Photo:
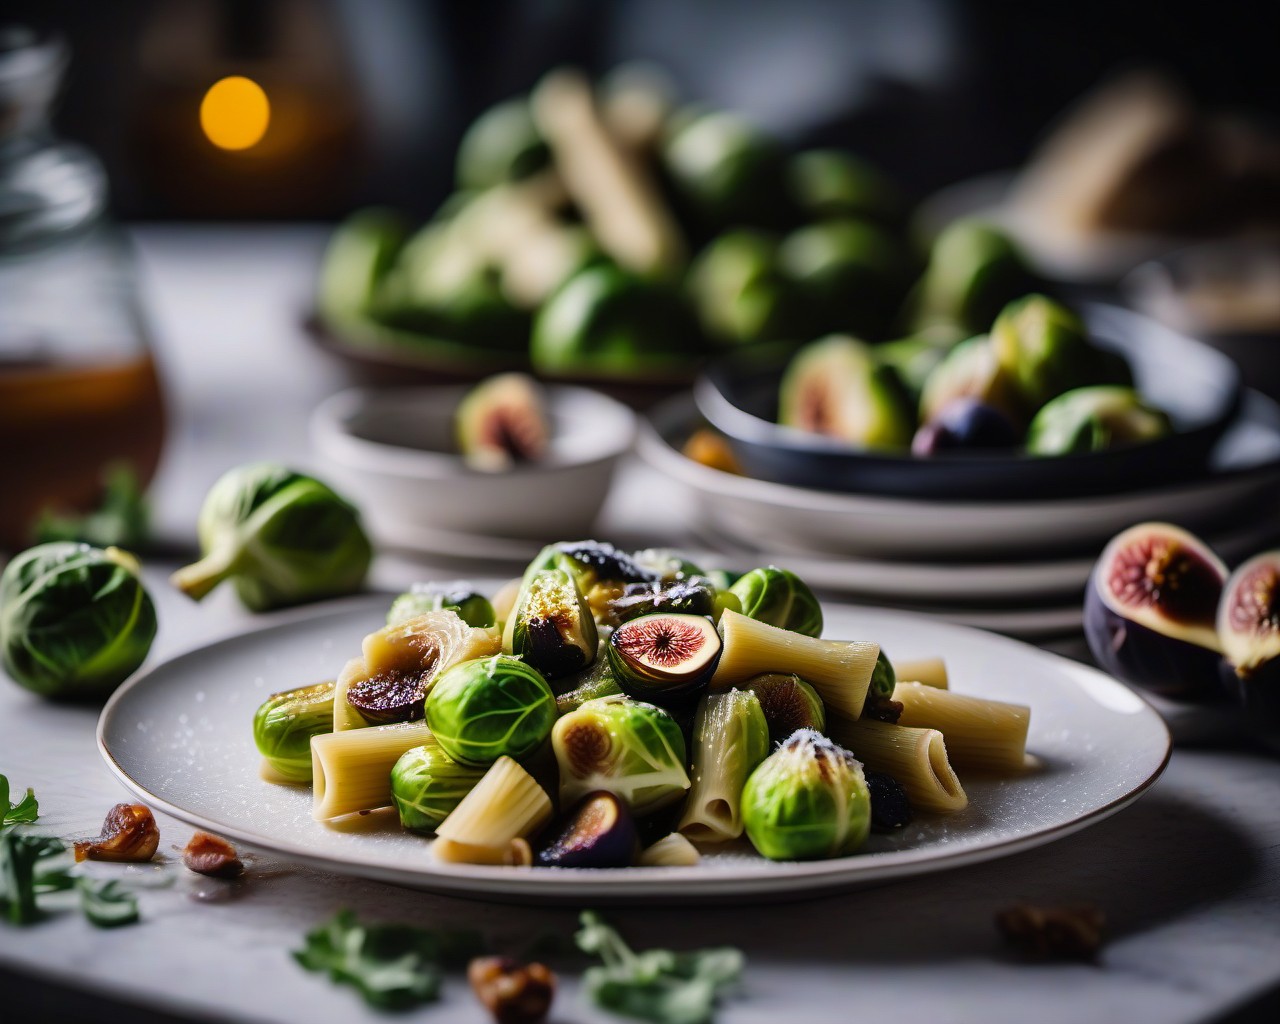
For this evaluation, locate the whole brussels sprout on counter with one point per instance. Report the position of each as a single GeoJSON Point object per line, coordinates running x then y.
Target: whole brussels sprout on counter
{"type": "Point", "coordinates": [427, 784]}
{"type": "Point", "coordinates": [829, 183]}
{"type": "Point", "coordinates": [625, 747]}
{"type": "Point", "coordinates": [807, 800]}
{"type": "Point", "coordinates": [284, 724]}
{"type": "Point", "coordinates": [1092, 419]}
{"type": "Point", "coordinates": [75, 621]}
{"type": "Point", "coordinates": [281, 537]}
{"type": "Point", "coordinates": [485, 708]}
{"type": "Point", "coordinates": [740, 293]}
{"type": "Point", "coordinates": [780, 598]}
{"type": "Point", "coordinates": [551, 626]}
{"type": "Point", "coordinates": [472, 608]}
{"type": "Point", "coordinates": [974, 270]}
{"type": "Point", "coordinates": [502, 144]}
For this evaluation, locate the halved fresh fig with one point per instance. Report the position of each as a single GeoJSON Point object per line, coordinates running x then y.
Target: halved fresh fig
{"type": "Point", "coordinates": [502, 421]}
{"type": "Point", "coordinates": [600, 833]}
{"type": "Point", "coordinates": [665, 659]}
{"type": "Point", "coordinates": [890, 806]}
{"type": "Point", "coordinates": [788, 703]}
{"type": "Point", "coordinates": [391, 696]}
{"type": "Point", "coordinates": [1249, 630]}
{"type": "Point", "coordinates": [1150, 611]}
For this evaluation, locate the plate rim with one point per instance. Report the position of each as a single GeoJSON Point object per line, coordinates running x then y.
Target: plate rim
{"type": "Point", "coordinates": [801, 879]}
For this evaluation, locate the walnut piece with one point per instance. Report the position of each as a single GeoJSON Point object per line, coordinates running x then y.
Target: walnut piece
{"type": "Point", "coordinates": [129, 833]}
{"type": "Point", "coordinates": [212, 855]}
{"type": "Point", "coordinates": [1053, 933]}
{"type": "Point", "coordinates": [512, 992]}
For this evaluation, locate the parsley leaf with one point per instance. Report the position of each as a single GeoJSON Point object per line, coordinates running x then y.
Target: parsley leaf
{"type": "Point", "coordinates": [393, 966]}
{"type": "Point", "coordinates": [23, 812]}
{"type": "Point", "coordinates": [656, 985]}
{"type": "Point", "coordinates": [20, 855]}
{"type": "Point", "coordinates": [106, 903]}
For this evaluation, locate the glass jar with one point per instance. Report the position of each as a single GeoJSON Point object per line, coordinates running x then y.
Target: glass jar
{"type": "Point", "coordinates": [79, 393]}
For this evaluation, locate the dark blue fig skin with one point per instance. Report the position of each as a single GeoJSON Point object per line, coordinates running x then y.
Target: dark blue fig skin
{"type": "Point", "coordinates": [1142, 657]}
{"type": "Point", "coordinates": [600, 833]}
{"type": "Point", "coordinates": [965, 425]}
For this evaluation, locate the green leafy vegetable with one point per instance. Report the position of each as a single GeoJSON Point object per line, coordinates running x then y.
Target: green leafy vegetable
{"type": "Point", "coordinates": [23, 812]}
{"type": "Point", "coordinates": [393, 966]}
{"type": "Point", "coordinates": [658, 984]}
{"type": "Point", "coordinates": [121, 520]}
{"type": "Point", "coordinates": [106, 903]}
{"type": "Point", "coordinates": [20, 879]}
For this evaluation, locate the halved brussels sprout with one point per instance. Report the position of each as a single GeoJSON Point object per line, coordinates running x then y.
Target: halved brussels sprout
{"type": "Point", "coordinates": [807, 800]}
{"type": "Point", "coordinates": [591, 562]}
{"type": "Point", "coordinates": [915, 357]}
{"type": "Point", "coordinates": [483, 709]}
{"type": "Point", "coordinates": [284, 724]}
{"type": "Point", "coordinates": [75, 621]}
{"type": "Point", "coordinates": [974, 269]}
{"type": "Point", "coordinates": [829, 184]}
{"type": "Point", "coordinates": [667, 659]}
{"type": "Point", "coordinates": [1095, 418]}
{"type": "Point", "coordinates": [427, 784]}
{"type": "Point", "coordinates": [780, 598]}
{"type": "Point", "coordinates": [625, 747]}
{"type": "Point", "coordinates": [472, 608]}
{"type": "Point", "coordinates": [551, 627]}
{"type": "Point", "coordinates": [971, 370]}
{"type": "Point", "coordinates": [788, 703]}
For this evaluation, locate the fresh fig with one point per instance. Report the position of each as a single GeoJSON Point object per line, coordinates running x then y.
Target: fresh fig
{"type": "Point", "coordinates": [965, 424]}
{"type": "Point", "coordinates": [1150, 611]}
{"type": "Point", "coordinates": [391, 696]}
{"type": "Point", "coordinates": [665, 659]}
{"type": "Point", "coordinates": [502, 422]}
{"type": "Point", "coordinates": [600, 833]}
{"type": "Point", "coordinates": [1249, 631]}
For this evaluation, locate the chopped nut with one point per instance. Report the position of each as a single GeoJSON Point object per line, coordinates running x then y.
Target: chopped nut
{"type": "Point", "coordinates": [1053, 933]}
{"type": "Point", "coordinates": [129, 833]}
{"type": "Point", "coordinates": [513, 993]}
{"type": "Point", "coordinates": [213, 856]}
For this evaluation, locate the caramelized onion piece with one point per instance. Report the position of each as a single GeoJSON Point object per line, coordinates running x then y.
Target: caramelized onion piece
{"type": "Point", "coordinates": [129, 834]}
{"type": "Point", "coordinates": [212, 855]}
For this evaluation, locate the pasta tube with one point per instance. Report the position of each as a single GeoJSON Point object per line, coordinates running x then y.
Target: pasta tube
{"type": "Point", "coordinates": [917, 758]}
{"type": "Point", "coordinates": [986, 735]}
{"type": "Point", "coordinates": [506, 804]}
{"type": "Point", "coordinates": [930, 671]}
{"type": "Point", "coordinates": [670, 851]}
{"type": "Point", "coordinates": [351, 770]}
{"type": "Point", "coordinates": [730, 737]}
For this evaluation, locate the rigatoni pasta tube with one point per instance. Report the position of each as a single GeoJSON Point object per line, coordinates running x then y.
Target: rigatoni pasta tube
{"type": "Point", "coordinates": [351, 770]}
{"type": "Point", "coordinates": [986, 735]}
{"type": "Point", "coordinates": [670, 851]}
{"type": "Point", "coordinates": [506, 804]}
{"type": "Point", "coordinates": [730, 737]}
{"type": "Point", "coordinates": [917, 758]}
{"type": "Point", "coordinates": [930, 671]}
{"type": "Point", "coordinates": [840, 670]}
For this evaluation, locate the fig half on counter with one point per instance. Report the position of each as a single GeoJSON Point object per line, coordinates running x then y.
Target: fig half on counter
{"type": "Point", "coordinates": [1249, 631]}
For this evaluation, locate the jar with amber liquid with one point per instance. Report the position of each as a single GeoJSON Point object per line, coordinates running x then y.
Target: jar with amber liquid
{"type": "Point", "coordinates": [79, 392]}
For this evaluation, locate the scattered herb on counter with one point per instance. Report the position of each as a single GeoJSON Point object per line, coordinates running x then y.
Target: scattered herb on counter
{"type": "Point", "coordinates": [657, 984]}
{"type": "Point", "coordinates": [106, 903]}
{"type": "Point", "coordinates": [23, 812]}
{"type": "Point", "coordinates": [20, 876]}
{"type": "Point", "coordinates": [393, 966]}
{"type": "Point", "coordinates": [121, 520]}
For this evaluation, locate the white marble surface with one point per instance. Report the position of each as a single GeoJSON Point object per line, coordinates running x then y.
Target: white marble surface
{"type": "Point", "coordinates": [1189, 877]}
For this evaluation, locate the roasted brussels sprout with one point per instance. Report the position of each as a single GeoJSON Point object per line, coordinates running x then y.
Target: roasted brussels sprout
{"type": "Point", "coordinates": [75, 621]}
{"type": "Point", "coordinates": [691, 595]}
{"type": "Point", "coordinates": [551, 626]}
{"type": "Point", "coordinates": [971, 371]}
{"type": "Point", "coordinates": [827, 184]}
{"type": "Point", "coordinates": [664, 658]}
{"type": "Point", "coordinates": [974, 270]}
{"type": "Point", "coordinates": [501, 145]}
{"type": "Point", "coordinates": [281, 537]}
{"type": "Point", "coordinates": [780, 598]}
{"type": "Point", "coordinates": [360, 253]}
{"type": "Point", "coordinates": [883, 679]}
{"type": "Point", "coordinates": [807, 800]}
{"type": "Point", "coordinates": [788, 703]}
{"type": "Point", "coordinates": [608, 321]}
{"type": "Point", "coordinates": [915, 357]}
{"type": "Point", "coordinates": [1093, 419]}
{"type": "Point", "coordinates": [739, 292]}
{"type": "Point", "coordinates": [472, 608]}
{"type": "Point", "coordinates": [625, 747]}
{"type": "Point", "coordinates": [482, 709]}
{"type": "Point", "coordinates": [591, 562]}
{"type": "Point", "coordinates": [599, 833]}
{"type": "Point", "coordinates": [427, 784]}
{"type": "Point", "coordinates": [284, 724]}
{"type": "Point", "coordinates": [835, 387]}
{"type": "Point", "coordinates": [503, 421]}
{"type": "Point", "coordinates": [965, 425]}
{"type": "Point", "coordinates": [666, 565]}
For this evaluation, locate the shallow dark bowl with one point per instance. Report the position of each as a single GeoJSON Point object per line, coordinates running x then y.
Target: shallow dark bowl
{"type": "Point", "coordinates": [1199, 388]}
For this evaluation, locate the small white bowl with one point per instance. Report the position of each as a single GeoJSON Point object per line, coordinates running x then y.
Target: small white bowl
{"type": "Point", "coordinates": [389, 450]}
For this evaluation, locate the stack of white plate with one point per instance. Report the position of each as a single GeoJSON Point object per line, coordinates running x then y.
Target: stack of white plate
{"type": "Point", "coordinates": [1018, 567]}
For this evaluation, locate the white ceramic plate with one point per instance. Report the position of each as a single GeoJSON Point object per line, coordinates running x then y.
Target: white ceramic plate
{"type": "Point", "coordinates": [767, 515]}
{"type": "Point", "coordinates": [179, 737]}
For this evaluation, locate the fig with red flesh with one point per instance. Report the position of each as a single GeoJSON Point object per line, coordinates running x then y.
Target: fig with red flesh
{"type": "Point", "coordinates": [665, 659]}
{"type": "Point", "coordinates": [391, 696]}
{"type": "Point", "coordinates": [1150, 611]}
{"type": "Point", "coordinates": [1249, 630]}
{"type": "Point", "coordinates": [600, 833]}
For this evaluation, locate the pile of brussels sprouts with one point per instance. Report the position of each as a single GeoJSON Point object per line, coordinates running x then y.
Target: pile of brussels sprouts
{"type": "Point", "coordinates": [604, 689]}
{"type": "Point", "coordinates": [610, 232]}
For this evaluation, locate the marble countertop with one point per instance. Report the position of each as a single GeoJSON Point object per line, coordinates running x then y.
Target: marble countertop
{"type": "Point", "coordinates": [1189, 877]}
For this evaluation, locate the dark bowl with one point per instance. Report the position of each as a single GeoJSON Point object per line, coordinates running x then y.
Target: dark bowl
{"type": "Point", "coordinates": [1198, 387]}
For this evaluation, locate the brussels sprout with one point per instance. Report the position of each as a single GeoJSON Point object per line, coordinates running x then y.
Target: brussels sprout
{"type": "Point", "coordinates": [849, 275]}
{"type": "Point", "coordinates": [283, 538]}
{"type": "Point", "coordinates": [974, 269]}
{"type": "Point", "coordinates": [780, 598]}
{"type": "Point", "coordinates": [551, 627]}
{"type": "Point", "coordinates": [740, 293]}
{"type": "Point", "coordinates": [591, 562]}
{"type": "Point", "coordinates": [971, 370]}
{"type": "Point", "coordinates": [1091, 419]}
{"type": "Point", "coordinates": [915, 357]}
{"type": "Point", "coordinates": [594, 681]}
{"type": "Point", "coordinates": [427, 784]}
{"type": "Point", "coordinates": [360, 253]}
{"type": "Point", "coordinates": [883, 679]}
{"type": "Point", "coordinates": [625, 747]}
{"type": "Point", "coordinates": [665, 564]}
{"type": "Point", "coordinates": [481, 709]}
{"type": "Point", "coordinates": [664, 658]}
{"type": "Point", "coordinates": [807, 800]}
{"type": "Point", "coordinates": [606, 321]}
{"type": "Point", "coordinates": [284, 724]}
{"type": "Point", "coordinates": [730, 737]}
{"type": "Point", "coordinates": [75, 621]}
{"type": "Point", "coordinates": [826, 184]}
{"type": "Point", "coordinates": [501, 145]}
{"type": "Point", "coordinates": [788, 703]}
{"type": "Point", "coordinates": [1044, 349]}
{"type": "Point", "coordinates": [472, 608]}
